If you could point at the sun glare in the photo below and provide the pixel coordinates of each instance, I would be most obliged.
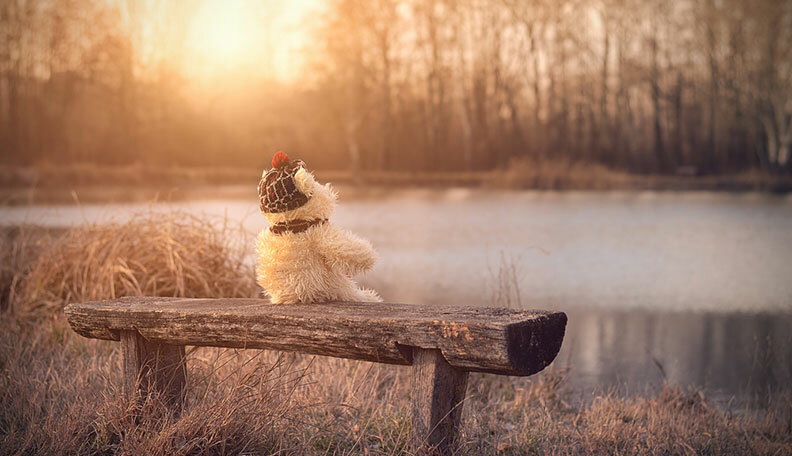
(221, 32)
(234, 39)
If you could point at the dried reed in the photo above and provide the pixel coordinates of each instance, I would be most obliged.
(174, 254)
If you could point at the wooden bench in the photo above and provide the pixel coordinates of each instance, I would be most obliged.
(442, 344)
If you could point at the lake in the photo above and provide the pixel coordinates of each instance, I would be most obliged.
(692, 288)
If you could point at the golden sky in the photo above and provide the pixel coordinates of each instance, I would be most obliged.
(234, 40)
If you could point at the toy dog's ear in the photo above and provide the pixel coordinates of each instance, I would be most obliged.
(304, 181)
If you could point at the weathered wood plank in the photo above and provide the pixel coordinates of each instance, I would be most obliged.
(150, 366)
(438, 394)
(499, 341)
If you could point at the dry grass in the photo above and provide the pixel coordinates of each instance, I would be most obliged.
(19, 248)
(566, 174)
(174, 254)
(60, 393)
(561, 174)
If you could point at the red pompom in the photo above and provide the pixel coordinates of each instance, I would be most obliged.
(280, 159)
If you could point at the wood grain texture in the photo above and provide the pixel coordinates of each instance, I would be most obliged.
(150, 366)
(499, 341)
(438, 394)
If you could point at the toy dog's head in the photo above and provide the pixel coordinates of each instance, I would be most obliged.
(289, 192)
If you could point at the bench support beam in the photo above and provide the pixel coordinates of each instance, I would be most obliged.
(153, 367)
(438, 391)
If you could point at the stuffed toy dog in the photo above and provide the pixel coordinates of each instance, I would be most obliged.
(302, 257)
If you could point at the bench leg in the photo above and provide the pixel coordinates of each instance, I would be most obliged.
(151, 366)
(438, 393)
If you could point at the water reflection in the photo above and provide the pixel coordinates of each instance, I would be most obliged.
(745, 356)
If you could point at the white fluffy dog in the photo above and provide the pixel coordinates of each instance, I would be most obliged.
(302, 257)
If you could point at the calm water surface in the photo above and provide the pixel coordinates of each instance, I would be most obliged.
(692, 288)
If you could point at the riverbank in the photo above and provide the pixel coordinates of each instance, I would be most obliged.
(60, 393)
(49, 184)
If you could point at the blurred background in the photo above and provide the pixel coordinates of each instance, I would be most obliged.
(625, 161)
(692, 87)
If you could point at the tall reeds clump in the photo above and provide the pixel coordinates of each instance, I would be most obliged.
(153, 254)
(560, 174)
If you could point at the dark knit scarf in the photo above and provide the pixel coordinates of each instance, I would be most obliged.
(295, 226)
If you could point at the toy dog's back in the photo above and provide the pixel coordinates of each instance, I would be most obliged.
(302, 257)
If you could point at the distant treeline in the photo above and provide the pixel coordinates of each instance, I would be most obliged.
(653, 86)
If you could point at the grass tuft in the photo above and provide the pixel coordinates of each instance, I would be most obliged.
(175, 254)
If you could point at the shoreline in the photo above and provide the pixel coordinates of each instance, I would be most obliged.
(91, 183)
(126, 193)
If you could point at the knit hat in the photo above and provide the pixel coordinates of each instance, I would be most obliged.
(277, 190)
